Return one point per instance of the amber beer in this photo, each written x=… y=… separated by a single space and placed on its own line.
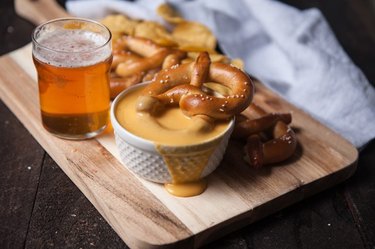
x=72 y=58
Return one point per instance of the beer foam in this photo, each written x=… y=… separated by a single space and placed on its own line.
x=71 y=48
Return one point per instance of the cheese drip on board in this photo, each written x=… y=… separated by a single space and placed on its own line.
x=186 y=170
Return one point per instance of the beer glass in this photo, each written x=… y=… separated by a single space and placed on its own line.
x=72 y=57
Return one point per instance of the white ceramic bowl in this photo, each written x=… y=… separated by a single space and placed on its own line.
x=141 y=156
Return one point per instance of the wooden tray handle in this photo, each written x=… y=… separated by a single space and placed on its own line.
x=39 y=11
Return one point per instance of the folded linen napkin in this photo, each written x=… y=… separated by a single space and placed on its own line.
x=293 y=52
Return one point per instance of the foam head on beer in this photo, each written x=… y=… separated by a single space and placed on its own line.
x=71 y=48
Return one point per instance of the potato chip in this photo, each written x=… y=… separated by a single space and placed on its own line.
x=155 y=32
x=238 y=63
x=219 y=58
x=115 y=37
x=187 y=60
x=189 y=36
x=194 y=34
x=188 y=48
x=73 y=25
x=213 y=57
x=169 y=14
x=120 y=24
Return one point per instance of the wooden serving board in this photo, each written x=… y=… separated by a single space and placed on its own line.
x=142 y=213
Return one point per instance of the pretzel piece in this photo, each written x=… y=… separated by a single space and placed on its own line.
x=260 y=151
x=152 y=55
x=138 y=59
x=245 y=127
x=278 y=149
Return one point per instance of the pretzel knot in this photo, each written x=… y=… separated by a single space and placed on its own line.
x=184 y=85
x=137 y=59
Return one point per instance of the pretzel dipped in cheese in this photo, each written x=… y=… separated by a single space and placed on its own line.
x=183 y=85
x=269 y=139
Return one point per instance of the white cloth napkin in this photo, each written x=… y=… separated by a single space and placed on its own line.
x=293 y=52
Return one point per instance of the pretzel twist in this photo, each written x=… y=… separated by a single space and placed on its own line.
x=260 y=151
x=138 y=59
x=183 y=85
x=150 y=55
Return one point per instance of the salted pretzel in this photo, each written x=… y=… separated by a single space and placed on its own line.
x=183 y=85
x=259 y=148
x=138 y=59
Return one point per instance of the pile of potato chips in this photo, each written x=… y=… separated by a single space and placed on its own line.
x=189 y=36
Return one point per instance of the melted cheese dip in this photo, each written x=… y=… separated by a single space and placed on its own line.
x=172 y=128
x=169 y=128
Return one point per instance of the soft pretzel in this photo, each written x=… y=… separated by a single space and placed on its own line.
x=183 y=85
x=245 y=127
x=151 y=55
x=260 y=150
x=138 y=59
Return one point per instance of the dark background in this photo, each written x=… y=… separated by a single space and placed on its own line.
x=41 y=208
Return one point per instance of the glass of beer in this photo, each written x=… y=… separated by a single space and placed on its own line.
x=72 y=57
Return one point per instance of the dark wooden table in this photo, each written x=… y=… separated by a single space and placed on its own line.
x=41 y=208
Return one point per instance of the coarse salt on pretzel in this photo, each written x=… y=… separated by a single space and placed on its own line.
x=183 y=85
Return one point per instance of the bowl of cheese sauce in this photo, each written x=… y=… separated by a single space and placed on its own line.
x=163 y=149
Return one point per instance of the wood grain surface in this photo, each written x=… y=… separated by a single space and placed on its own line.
x=332 y=202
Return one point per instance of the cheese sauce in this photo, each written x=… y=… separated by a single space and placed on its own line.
x=172 y=128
